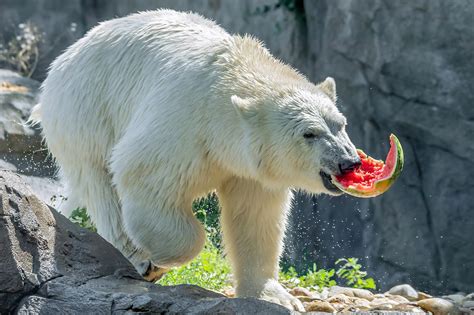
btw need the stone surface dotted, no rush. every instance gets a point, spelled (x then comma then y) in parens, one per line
(455, 298)
(20, 144)
(320, 306)
(49, 265)
(360, 293)
(423, 295)
(402, 67)
(355, 301)
(438, 306)
(404, 290)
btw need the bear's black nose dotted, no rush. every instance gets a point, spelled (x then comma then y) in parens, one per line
(347, 166)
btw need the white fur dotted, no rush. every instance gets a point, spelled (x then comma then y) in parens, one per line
(147, 112)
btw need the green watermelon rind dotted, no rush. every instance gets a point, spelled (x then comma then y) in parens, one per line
(381, 185)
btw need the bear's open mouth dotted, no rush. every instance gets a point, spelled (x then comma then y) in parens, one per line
(327, 182)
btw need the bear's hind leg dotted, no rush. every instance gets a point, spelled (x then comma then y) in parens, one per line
(172, 236)
(93, 186)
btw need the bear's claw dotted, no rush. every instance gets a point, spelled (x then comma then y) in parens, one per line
(151, 272)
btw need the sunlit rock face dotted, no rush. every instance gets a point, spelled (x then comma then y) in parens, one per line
(404, 68)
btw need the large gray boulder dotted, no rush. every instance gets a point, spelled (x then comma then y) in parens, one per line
(49, 265)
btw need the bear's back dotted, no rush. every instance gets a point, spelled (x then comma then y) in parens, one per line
(127, 67)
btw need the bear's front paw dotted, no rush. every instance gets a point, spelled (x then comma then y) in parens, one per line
(275, 293)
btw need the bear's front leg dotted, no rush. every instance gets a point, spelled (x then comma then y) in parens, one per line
(254, 221)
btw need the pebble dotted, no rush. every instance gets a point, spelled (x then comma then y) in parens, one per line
(423, 296)
(469, 297)
(304, 298)
(298, 291)
(383, 301)
(324, 294)
(456, 298)
(407, 308)
(339, 298)
(396, 298)
(404, 290)
(320, 306)
(362, 304)
(438, 306)
(360, 293)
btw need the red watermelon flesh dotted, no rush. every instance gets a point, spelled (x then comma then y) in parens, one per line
(373, 177)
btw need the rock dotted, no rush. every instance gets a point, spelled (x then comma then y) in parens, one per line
(422, 296)
(456, 298)
(324, 293)
(407, 308)
(362, 304)
(468, 301)
(404, 290)
(21, 144)
(397, 298)
(320, 306)
(381, 302)
(49, 265)
(339, 298)
(298, 291)
(438, 306)
(360, 293)
(470, 297)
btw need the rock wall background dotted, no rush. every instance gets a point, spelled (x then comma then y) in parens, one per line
(400, 66)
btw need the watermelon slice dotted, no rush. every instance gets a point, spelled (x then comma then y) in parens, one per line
(372, 177)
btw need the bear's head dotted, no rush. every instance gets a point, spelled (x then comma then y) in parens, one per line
(301, 136)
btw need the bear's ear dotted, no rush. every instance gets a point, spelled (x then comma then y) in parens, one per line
(328, 86)
(242, 105)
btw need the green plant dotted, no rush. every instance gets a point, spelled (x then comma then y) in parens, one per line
(80, 216)
(209, 270)
(319, 278)
(314, 278)
(207, 210)
(21, 52)
(351, 272)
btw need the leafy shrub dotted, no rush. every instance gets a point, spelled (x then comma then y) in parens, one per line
(207, 210)
(351, 272)
(21, 52)
(80, 217)
(209, 270)
(314, 278)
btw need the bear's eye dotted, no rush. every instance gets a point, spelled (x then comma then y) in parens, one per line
(309, 135)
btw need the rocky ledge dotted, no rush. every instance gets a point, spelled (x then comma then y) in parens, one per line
(49, 265)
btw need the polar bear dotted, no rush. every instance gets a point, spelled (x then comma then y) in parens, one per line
(148, 112)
